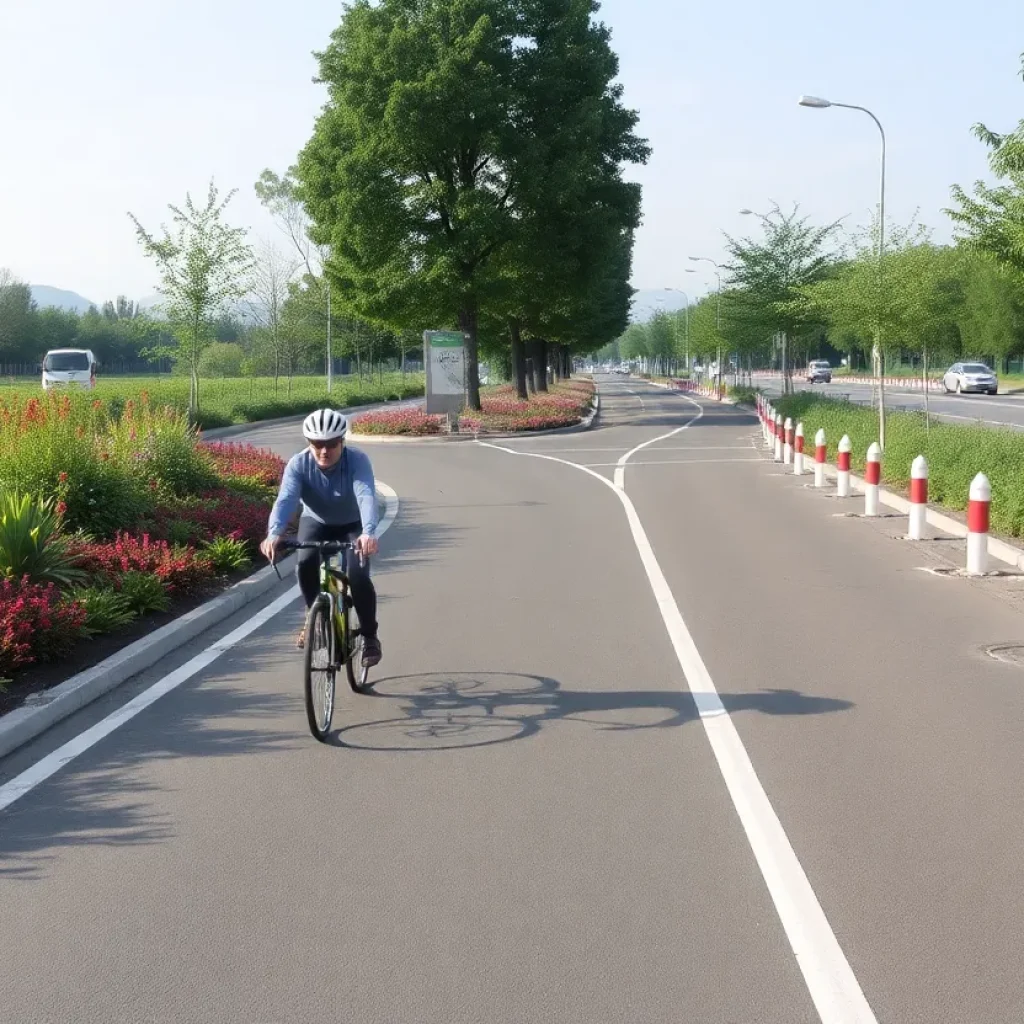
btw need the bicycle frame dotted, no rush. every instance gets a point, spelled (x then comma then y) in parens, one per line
(334, 585)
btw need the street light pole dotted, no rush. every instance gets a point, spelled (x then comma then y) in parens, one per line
(718, 316)
(330, 361)
(686, 320)
(818, 103)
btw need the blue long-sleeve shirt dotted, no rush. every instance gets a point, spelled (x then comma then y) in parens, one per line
(342, 495)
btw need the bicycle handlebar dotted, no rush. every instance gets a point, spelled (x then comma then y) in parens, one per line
(325, 547)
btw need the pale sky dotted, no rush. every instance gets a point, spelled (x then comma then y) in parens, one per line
(117, 105)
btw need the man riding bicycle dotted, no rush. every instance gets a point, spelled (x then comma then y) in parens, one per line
(335, 487)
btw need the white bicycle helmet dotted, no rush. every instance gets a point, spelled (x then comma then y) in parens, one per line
(324, 425)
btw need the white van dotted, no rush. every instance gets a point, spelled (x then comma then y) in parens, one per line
(69, 366)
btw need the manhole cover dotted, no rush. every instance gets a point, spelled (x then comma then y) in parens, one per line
(1012, 654)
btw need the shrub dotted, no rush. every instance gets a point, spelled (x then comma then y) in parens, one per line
(220, 513)
(227, 554)
(35, 624)
(243, 462)
(411, 421)
(221, 359)
(182, 570)
(30, 542)
(955, 452)
(106, 609)
(144, 592)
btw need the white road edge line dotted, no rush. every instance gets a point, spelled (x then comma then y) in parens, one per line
(57, 759)
(830, 980)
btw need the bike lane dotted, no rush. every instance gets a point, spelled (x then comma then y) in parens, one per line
(525, 821)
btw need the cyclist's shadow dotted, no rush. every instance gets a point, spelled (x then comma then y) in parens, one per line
(445, 711)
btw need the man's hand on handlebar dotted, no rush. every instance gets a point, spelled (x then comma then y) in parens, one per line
(367, 545)
(270, 546)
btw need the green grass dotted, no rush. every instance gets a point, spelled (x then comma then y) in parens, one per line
(955, 453)
(246, 399)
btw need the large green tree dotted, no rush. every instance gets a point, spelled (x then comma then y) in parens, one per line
(453, 130)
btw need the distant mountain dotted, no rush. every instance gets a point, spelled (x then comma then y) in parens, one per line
(45, 296)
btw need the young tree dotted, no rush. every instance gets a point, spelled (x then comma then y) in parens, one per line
(204, 265)
(272, 274)
(769, 273)
(992, 220)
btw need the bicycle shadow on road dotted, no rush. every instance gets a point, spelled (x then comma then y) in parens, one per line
(448, 711)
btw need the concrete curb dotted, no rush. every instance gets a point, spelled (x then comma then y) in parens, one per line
(998, 549)
(43, 710)
(219, 433)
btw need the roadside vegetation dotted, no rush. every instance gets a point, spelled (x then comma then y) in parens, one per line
(111, 511)
(956, 453)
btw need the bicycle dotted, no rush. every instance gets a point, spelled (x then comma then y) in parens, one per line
(333, 636)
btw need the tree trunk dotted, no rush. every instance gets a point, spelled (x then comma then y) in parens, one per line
(468, 324)
(528, 366)
(556, 360)
(518, 360)
(540, 364)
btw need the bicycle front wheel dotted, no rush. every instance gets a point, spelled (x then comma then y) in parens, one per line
(319, 671)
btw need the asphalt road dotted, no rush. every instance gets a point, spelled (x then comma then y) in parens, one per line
(698, 749)
(991, 410)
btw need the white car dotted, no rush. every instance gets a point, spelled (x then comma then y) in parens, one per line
(63, 366)
(964, 377)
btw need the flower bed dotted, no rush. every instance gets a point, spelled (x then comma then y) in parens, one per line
(141, 516)
(564, 404)
(410, 421)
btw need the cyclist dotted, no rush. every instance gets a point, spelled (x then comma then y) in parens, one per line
(334, 485)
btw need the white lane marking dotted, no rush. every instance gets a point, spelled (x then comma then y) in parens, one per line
(668, 448)
(669, 462)
(830, 980)
(620, 468)
(57, 759)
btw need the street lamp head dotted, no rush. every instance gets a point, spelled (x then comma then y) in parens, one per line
(814, 101)
(745, 212)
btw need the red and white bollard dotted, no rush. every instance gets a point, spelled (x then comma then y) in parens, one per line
(918, 498)
(779, 429)
(872, 478)
(819, 458)
(843, 482)
(787, 442)
(798, 450)
(977, 525)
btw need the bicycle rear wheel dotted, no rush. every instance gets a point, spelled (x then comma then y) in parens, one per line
(319, 671)
(358, 673)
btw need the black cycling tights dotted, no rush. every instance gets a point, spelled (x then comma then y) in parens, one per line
(364, 597)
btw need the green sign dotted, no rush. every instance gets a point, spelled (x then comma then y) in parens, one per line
(446, 339)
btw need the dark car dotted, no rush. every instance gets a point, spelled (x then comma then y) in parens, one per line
(819, 372)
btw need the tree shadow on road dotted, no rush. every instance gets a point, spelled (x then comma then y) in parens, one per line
(445, 711)
(106, 797)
